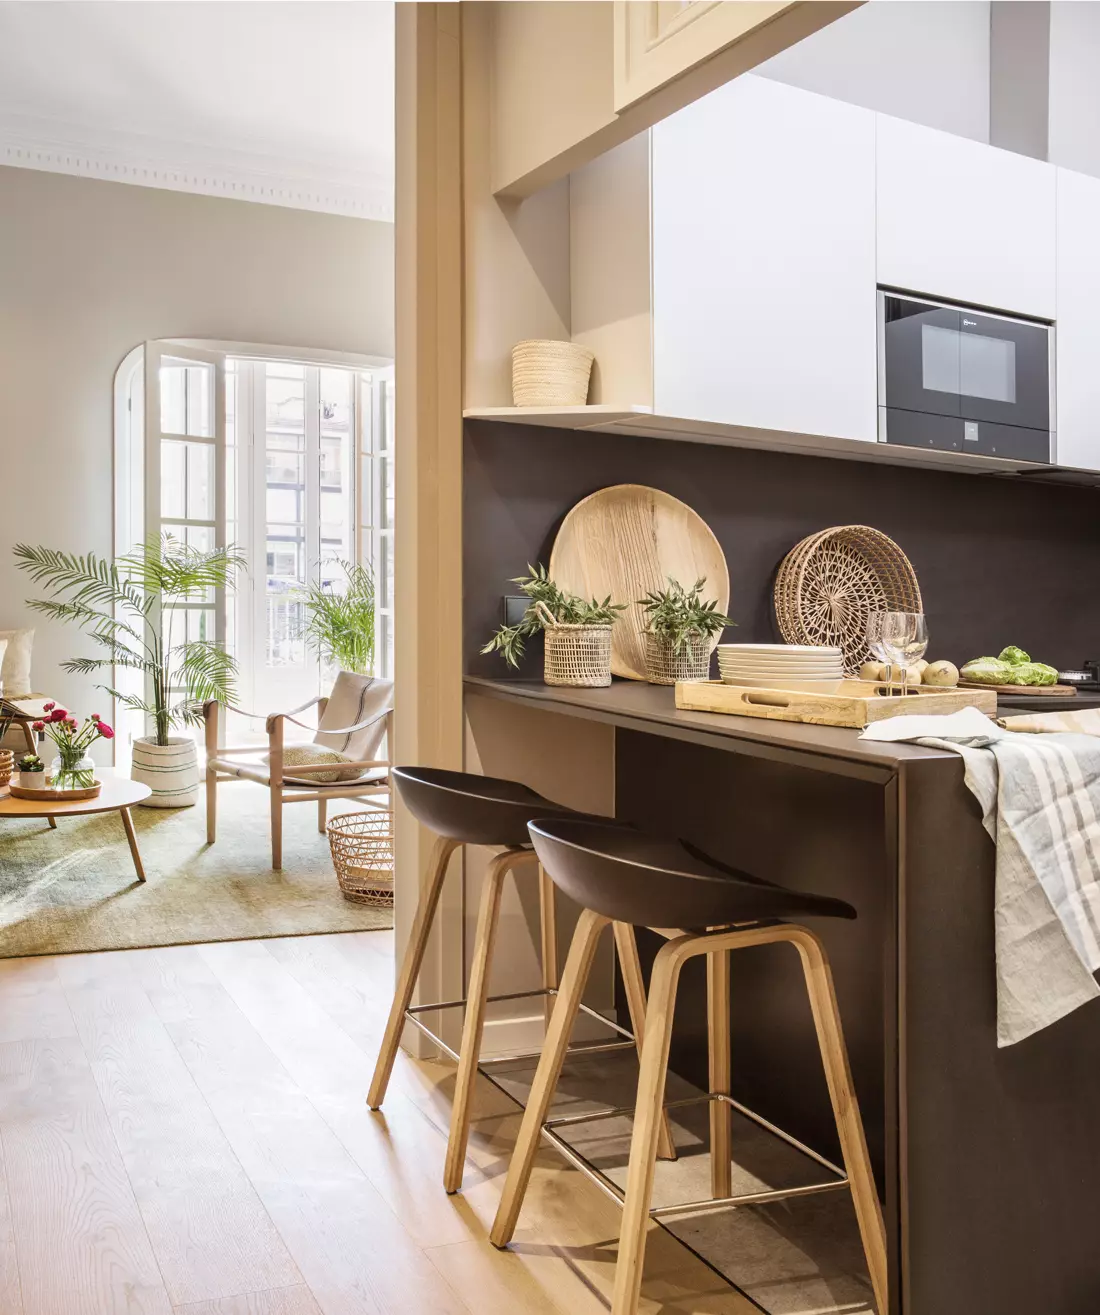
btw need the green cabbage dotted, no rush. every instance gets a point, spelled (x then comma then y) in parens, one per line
(1033, 673)
(1014, 657)
(987, 671)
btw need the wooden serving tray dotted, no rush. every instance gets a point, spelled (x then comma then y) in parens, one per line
(48, 794)
(858, 704)
(1055, 691)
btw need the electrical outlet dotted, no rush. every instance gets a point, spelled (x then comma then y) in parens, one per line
(512, 608)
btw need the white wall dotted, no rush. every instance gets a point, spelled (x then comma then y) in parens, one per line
(88, 269)
(1074, 123)
(923, 60)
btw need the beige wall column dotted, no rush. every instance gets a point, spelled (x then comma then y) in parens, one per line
(427, 555)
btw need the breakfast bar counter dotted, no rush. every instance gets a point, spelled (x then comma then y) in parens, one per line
(986, 1158)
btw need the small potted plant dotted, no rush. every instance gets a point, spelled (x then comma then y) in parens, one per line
(578, 632)
(32, 772)
(679, 627)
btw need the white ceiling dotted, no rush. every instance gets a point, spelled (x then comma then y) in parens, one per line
(289, 102)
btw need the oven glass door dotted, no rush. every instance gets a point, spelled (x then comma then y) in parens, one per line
(942, 360)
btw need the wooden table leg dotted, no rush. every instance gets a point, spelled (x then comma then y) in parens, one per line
(53, 823)
(128, 823)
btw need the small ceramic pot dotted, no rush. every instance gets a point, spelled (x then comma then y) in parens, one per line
(33, 780)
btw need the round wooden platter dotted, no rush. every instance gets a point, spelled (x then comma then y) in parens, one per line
(49, 795)
(626, 541)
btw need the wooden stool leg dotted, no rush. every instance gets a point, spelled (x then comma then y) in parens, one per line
(849, 1125)
(626, 944)
(647, 1124)
(410, 967)
(473, 1024)
(548, 932)
(322, 815)
(582, 950)
(718, 1025)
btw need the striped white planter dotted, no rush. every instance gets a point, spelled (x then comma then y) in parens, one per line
(170, 770)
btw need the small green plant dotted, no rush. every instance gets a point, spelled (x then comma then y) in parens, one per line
(564, 609)
(339, 626)
(680, 615)
(30, 762)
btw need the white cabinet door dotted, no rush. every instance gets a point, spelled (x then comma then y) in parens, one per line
(964, 221)
(764, 261)
(1076, 336)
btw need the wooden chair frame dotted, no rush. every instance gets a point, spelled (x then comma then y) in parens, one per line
(660, 1006)
(282, 793)
(476, 998)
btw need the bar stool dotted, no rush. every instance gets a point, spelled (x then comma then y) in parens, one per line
(626, 875)
(463, 808)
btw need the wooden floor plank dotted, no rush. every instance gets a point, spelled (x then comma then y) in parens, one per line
(210, 1233)
(11, 1297)
(285, 1301)
(32, 1004)
(80, 1239)
(349, 1245)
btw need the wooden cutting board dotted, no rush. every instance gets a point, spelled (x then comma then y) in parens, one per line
(858, 704)
(1055, 691)
(626, 541)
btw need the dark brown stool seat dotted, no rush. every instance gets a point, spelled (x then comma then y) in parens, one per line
(463, 808)
(629, 876)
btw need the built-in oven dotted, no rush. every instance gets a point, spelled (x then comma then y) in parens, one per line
(961, 380)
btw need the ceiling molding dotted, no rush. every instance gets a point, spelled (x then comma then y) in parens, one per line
(30, 142)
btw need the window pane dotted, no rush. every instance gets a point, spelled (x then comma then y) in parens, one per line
(200, 481)
(173, 480)
(286, 402)
(284, 506)
(187, 397)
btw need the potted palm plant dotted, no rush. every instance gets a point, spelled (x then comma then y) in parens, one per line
(338, 625)
(131, 609)
(578, 632)
(680, 624)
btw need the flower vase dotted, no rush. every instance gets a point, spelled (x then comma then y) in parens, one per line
(72, 773)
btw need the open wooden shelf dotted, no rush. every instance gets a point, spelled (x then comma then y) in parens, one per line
(641, 421)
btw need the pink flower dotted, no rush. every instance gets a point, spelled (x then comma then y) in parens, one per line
(48, 707)
(105, 730)
(72, 721)
(95, 716)
(38, 725)
(59, 714)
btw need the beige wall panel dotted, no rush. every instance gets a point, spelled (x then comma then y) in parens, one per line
(565, 759)
(88, 270)
(610, 289)
(517, 252)
(553, 72)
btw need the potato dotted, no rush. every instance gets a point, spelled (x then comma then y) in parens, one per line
(920, 665)
(874, 671)
(944, 674)
(915, 674)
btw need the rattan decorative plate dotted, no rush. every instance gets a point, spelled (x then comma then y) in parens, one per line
(829, 583)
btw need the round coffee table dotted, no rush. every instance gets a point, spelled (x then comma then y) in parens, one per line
(117, 796)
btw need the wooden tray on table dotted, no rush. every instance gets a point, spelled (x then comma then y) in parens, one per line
(1055, 691)
(49, 795)
(857, 704)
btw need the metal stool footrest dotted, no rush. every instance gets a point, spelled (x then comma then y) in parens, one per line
(612, 1189)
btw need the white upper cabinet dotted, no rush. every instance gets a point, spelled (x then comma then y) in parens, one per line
(763, 260)
(1077, 343)
(964, 221)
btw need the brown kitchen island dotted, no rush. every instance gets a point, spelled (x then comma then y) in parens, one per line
(986, 1158)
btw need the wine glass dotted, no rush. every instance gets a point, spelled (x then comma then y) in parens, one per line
(877, 644)
(905, 638)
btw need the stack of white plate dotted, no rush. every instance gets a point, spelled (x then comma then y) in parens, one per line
(782, 666)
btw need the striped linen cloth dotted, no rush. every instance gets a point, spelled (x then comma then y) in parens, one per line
(1040, 799)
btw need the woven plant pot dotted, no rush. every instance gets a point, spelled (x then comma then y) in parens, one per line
(549, 373)
(7, 763)
(665, 666)
(578, 655)
(170, 770)
(362, 854)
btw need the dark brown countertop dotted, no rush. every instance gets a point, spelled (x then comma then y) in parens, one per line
(652, 708)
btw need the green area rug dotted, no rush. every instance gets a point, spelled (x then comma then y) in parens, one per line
(75, 888)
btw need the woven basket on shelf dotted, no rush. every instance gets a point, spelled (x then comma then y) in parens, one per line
(549, 373)
(7, 763)
(664, 666)
(829, 583)
(362, 854)
(575, 655)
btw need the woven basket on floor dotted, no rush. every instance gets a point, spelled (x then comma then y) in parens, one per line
(362, 854)
(549, 373)
(829, 583)
(7, 764)
(664, 666)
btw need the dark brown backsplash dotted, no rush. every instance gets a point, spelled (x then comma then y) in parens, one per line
(1000, 560)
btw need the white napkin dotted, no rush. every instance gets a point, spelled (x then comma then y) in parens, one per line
(967, 726)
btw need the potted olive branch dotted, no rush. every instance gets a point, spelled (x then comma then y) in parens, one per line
(678, 631)
(578, 632)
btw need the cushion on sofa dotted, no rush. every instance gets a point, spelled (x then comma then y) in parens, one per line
(15, 672)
